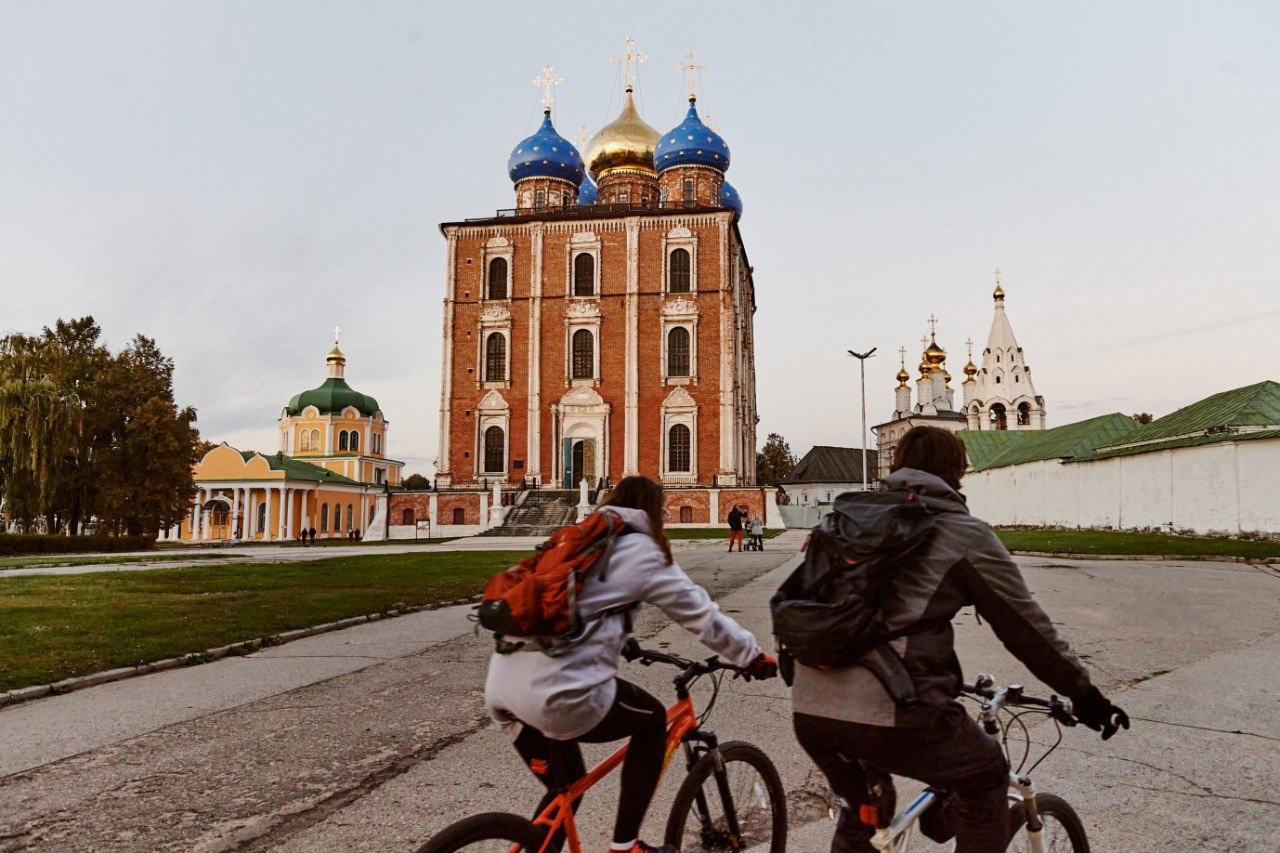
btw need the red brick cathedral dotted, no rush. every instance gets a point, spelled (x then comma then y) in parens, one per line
(602, 328)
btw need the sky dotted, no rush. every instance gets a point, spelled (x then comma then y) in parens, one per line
(234, 179)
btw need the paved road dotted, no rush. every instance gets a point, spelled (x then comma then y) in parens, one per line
(374, 737)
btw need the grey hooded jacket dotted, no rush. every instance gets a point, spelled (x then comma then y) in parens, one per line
(963, 564)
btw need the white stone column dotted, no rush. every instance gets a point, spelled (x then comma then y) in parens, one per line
(713, 505)
(206, 531)
(266, 528)
(533, 430)
(631, 413)
(444, 476)
(433, 512)
(287, 512)
(195, 516)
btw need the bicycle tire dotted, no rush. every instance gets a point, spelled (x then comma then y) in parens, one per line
(490, 826)
(1063, 830)
(744, 764)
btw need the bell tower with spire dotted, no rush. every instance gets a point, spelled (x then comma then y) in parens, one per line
(1002, 396)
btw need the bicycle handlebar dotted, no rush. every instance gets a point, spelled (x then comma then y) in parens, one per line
(995, 698)
(692, 669)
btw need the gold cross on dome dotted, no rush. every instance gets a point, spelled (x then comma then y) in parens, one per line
(997, 275)
(337, 330)
(933, 326)
(548, 81)
(690, 68)
(969, 344)
(902, 356)
(630, 60)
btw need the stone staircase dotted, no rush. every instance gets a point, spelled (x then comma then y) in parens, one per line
(542, 512)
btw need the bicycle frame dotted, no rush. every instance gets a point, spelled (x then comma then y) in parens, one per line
(682, 720)
(888, 838)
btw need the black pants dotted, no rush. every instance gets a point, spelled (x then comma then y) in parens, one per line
(634, 714)
(954, 754)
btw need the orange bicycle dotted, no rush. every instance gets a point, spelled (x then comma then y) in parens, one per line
(731, 799)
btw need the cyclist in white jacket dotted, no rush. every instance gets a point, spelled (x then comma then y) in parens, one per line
(546, 703)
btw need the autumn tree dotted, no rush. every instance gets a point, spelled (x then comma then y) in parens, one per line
(1143, 417)
(774, 461)
(416, 483)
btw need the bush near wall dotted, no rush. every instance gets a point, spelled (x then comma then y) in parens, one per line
(16, 544)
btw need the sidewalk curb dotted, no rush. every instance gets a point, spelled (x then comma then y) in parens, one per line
(245, 647)
(1171, 558)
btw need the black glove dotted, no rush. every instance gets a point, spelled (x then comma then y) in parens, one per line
(764, 666)
(1097, 713)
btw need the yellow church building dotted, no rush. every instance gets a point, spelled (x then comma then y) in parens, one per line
(327, 474)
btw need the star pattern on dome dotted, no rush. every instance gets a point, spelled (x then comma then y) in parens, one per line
(545, 154)
(672, 151)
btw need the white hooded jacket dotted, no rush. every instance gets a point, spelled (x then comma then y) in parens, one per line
(567, 696)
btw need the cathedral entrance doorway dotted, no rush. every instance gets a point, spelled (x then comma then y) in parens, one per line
(579, 462)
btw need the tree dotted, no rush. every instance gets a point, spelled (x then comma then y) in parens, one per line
(416, 482)
(774, 461)
(1143, 417)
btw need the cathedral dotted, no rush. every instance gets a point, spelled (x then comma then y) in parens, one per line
(999, 395)
(602, 326)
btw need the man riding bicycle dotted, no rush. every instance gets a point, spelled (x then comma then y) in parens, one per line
(549, 704)
(845, 717)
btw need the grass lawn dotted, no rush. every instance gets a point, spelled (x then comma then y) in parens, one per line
(708, 533)
(101, 559)
(57, 627)
(1120, 543)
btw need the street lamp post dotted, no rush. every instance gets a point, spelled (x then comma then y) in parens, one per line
(862, 370)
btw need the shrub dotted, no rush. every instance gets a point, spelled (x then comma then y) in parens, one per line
(14, 544)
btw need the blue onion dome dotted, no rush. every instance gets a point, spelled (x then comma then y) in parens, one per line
(587, 192)
(691, 143)
(729, 198)
(546, 154)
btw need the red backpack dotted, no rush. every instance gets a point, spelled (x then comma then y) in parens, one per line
(537, 599)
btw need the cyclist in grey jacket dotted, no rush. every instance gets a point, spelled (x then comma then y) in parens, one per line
(550, 704)
(845, 716)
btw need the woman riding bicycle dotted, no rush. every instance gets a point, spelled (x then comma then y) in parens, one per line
(845, 716)
(551, 704)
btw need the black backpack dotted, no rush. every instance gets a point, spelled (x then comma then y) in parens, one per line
(827, 613)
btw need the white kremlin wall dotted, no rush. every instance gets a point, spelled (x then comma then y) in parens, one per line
(1230, 487)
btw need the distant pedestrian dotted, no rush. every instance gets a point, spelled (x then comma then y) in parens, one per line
(311, 531)
(355, 536)
(757, 533)
(735, 528)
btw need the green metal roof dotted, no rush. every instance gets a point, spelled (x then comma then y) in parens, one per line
(296, 469)
(333, 395)
(983, 445)
(1185, 441)
(1069, 442)
(1251, 406)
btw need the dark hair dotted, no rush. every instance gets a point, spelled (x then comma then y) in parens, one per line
(935, 450)
(643, 494)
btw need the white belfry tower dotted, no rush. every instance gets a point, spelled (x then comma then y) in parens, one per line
(1000, 394)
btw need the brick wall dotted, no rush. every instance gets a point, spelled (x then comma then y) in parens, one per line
(698, 501)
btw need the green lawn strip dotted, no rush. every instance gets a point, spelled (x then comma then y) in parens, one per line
(53, 628)
(101, 559)
(1113, 542)
(708, 533)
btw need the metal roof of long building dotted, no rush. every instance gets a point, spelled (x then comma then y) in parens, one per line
(1069, 442)
(1226, 414)
(826, 464)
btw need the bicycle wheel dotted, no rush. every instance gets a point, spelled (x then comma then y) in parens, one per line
(747, 794)
(492, 832)
(1062, 831)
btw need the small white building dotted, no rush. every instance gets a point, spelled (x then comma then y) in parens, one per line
(1209, 468)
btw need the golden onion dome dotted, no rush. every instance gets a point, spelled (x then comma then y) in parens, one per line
(903, 376)
(335, 354)
(970, 369)
(935, 354)
(625, 143)
(998, 293)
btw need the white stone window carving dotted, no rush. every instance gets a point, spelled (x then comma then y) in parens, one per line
(493, 348)
(679, 460)
(497, 260)
(679, 313)
(582, 342)
(680, 261)
(493, 427)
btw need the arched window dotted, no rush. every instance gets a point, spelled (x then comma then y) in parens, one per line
(377, 443)
(678, 352)
(678, 446)
(337, 517)
(495, 357)
(1024, 414)
(304, 440)
(498, 278)
(351, 516)
(493, 451)
(459, 515)
(407, 518)
(342, 440)
(583, 355)
(997, 380)
(355, 441)
(688, 192)
(324, 518)
(584, 275)
(315, 440)
(999, 417)
(678, 271)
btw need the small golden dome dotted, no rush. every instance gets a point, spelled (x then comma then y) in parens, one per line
(625, 143)
(903, 376)
(934, 354)
(998, 293)
(970, 369)
(335, 354)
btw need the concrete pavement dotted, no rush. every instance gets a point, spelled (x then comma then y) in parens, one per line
(374, 737)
